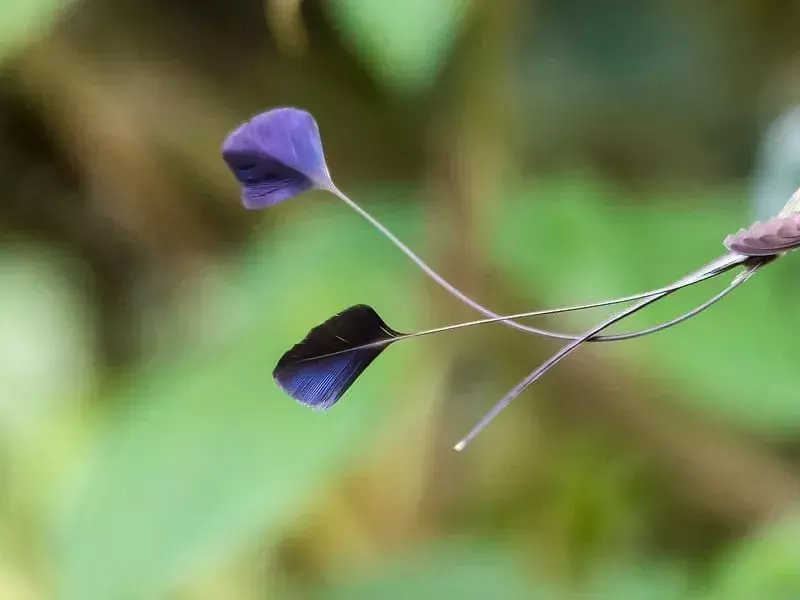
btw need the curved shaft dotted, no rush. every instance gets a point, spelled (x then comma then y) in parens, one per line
(573, 345)
(712, 269)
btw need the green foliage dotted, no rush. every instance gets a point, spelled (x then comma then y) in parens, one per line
(46, 349)
(206, 453)
(21, 20)
(455, 573)
(639, 582)
(203, 456)
(766, 567)
(191, 476)
(404, 44)
(571, 240)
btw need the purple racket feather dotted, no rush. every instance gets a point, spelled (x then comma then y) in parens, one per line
(276, 156)
(318, 370)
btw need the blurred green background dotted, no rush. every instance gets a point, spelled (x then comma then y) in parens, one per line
(537, 153)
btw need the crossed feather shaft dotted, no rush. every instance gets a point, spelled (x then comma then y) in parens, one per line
(321, 368)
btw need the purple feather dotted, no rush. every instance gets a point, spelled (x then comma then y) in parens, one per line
(319, 370)
(276, 156)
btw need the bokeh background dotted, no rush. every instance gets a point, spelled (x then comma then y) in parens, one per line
(537, 153)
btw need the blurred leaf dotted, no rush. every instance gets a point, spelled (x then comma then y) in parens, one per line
(22, 19)
(582, 243)
(404, 44)
(15, 585)
(767, 567)
(207, 453)
(46, 337)
(450, 573)
(639, 582)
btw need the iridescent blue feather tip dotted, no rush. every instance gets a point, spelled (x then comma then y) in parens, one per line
(319, 370)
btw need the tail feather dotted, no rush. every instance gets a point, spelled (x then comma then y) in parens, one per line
(319, 370)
